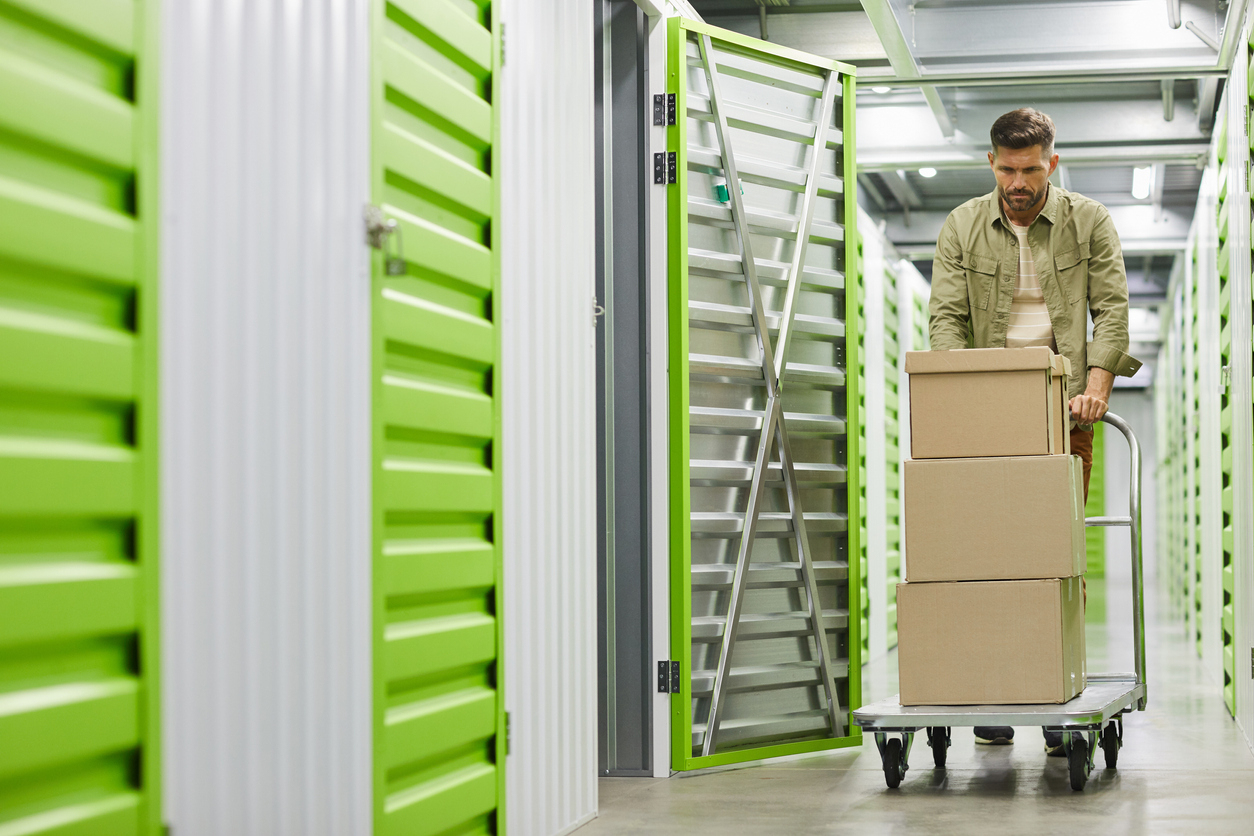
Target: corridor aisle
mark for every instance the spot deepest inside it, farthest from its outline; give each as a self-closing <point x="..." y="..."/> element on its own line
<point x="1184" y="768"/>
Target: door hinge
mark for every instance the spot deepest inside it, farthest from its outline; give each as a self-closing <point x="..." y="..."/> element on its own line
<point x="598" y="311"/>
<point x="665" y="169"/>
<point x="663" y="108"/>
<point x="379" y="229"/>
<point x="509" y="736"/>
<point x="668" y="677"/>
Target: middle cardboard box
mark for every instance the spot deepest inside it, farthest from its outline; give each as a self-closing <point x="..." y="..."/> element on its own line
<point x="1004" y="518"/>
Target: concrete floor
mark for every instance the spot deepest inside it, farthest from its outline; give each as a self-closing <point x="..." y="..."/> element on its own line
<point x="1184" y="768"/>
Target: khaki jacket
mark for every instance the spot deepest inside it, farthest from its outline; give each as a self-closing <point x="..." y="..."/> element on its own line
<point x="1079" y="263"/>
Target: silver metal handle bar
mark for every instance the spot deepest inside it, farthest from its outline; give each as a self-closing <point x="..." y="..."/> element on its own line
<point x="1133" y="522"/>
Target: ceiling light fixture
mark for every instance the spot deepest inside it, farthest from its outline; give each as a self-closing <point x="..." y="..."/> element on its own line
<point x="927" y="172"/>
<point x="1142" y="181"/>
<point x="881" y="90"/>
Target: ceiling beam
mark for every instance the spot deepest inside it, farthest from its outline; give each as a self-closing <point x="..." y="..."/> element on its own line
<point x="868" y="186"/>
<point x="902" y="60"/>
<point x="957" y="159"/>
<point x="995" y="78"/>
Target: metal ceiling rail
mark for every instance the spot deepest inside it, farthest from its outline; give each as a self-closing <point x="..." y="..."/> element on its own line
<point x="1001" y="78"/>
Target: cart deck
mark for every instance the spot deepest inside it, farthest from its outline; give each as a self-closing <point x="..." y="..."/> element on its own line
<point x="1091" y="718"/>
<point x="1104" y="697"/>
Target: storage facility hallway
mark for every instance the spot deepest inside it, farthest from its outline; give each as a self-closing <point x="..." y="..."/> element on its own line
<point x="1184" y="769"/>
<point x="549" y="417"/>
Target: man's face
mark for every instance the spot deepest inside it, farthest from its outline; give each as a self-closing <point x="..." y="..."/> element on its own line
<point x="1022" y="175"/>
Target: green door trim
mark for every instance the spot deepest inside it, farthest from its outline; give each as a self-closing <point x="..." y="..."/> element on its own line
<point x="679" y="397"/>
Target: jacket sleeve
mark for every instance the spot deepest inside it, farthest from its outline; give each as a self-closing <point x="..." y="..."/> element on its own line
<point x="1108" y="301"/>
<point x="950" y="323"/>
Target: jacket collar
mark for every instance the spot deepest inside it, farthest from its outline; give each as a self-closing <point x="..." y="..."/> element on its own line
<point x="1049" y="212"/>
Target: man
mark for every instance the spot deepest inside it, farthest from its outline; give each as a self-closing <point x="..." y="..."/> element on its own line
<point x="1020" y="267"/>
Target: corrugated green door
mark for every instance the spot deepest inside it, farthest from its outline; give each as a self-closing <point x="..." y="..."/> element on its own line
<point x="439" y="739"/>
<point x="78" y="720"/>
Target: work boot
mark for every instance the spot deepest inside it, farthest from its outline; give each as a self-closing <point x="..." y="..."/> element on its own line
<point x="1053" y="744"/>
<point x="994" y="735"/>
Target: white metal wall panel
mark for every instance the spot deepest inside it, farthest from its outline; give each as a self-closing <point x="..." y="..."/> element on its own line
<point x="265" y="462"/>
<point x="549" y="435"/>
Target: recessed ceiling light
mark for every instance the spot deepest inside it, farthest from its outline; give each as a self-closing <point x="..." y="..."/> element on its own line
<point x="881" y="90"/>
<point x="1142" y="181"/>
<point x="927" y="172"/>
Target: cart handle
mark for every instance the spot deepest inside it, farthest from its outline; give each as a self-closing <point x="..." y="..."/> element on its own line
<point x="1133" y="522"/>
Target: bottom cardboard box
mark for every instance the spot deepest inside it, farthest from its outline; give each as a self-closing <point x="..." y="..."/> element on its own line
<point x="990" y="642"/>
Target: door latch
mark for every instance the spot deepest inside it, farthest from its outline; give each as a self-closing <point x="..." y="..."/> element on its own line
<point x="379" y="230"/>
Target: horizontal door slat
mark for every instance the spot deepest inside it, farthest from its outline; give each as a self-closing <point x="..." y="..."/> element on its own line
<point x="46" y="726"/>
<point x="416" y="321"/>
<point x="419" y="648"/>
<point x="42" y="227"/>
<point x="65" y="113"/>
<point x="421" y="730"/>
<point x="428" y="406"/>
<point x="49" y="601"/>
<point x="436" y="486"/>
<point x="416" y="80"/>
<point x="65" y="478"/>
<point x="56" y="354"/>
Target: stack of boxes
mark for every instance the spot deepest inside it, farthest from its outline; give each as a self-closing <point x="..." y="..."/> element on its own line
<point x="992" y="610"/>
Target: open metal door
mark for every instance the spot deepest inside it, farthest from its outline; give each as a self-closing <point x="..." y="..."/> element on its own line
<point x="439" y="720"/>
<point x="762" y="237"/>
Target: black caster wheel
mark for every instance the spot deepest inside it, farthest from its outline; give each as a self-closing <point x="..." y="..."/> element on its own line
<point x="938" y="739"/>
<point x="1078" y="762"/>
<point x="1111" y="741"/>
<point x="894" y="768"/>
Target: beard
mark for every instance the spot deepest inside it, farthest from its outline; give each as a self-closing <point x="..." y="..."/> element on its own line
<point x="1021" y="201"/>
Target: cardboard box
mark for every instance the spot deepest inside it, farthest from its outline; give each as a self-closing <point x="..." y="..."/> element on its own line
<point x="977" y="402"/>
<point x="990" y="642"/>
<point x="994" y="519"/>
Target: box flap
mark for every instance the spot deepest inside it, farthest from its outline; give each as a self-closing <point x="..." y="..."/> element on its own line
<point x="979" y="360"/>
<point x="1062" y="365"/>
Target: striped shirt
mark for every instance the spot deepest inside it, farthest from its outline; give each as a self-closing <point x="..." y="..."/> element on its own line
<point x="1029" y="319"/>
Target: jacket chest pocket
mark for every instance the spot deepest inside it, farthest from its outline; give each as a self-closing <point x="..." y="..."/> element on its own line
<point x="1072" y="268"/>
<point x="981" y="273"/>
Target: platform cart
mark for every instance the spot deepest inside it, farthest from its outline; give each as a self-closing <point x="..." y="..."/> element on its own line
<point x="1094" y="717"/>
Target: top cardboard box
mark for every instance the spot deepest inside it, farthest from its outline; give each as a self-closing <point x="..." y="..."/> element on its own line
<point x="976" y="402"/>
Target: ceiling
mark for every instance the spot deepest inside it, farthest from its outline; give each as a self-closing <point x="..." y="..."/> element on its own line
<point x="1129" y="83"/>
<point x="1124" y="87"/>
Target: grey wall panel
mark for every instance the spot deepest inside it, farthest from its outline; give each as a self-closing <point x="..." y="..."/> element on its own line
<point x="265" y="307"/>
<point x="548" y="273"/>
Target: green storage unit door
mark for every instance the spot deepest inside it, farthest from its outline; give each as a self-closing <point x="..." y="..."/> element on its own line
<point x="439" y="722"/>
<point x="78" y="720"/>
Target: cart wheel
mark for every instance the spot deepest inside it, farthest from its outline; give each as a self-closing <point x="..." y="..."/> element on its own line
<point x="1110" y="745"/>
<point x="938" y="739"/>
<point x="1078" y="762"/>
<point x="893" y="766"/>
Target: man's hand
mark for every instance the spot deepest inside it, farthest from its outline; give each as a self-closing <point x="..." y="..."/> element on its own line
<point x="1092" y="405"/>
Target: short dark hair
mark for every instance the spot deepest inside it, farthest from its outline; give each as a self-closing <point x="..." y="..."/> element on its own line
<point x="1023" y="128"/>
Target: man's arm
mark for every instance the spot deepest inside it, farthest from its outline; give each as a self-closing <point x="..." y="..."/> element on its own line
<point x="950" y="323"/>
<point x="1108" y="304"/>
